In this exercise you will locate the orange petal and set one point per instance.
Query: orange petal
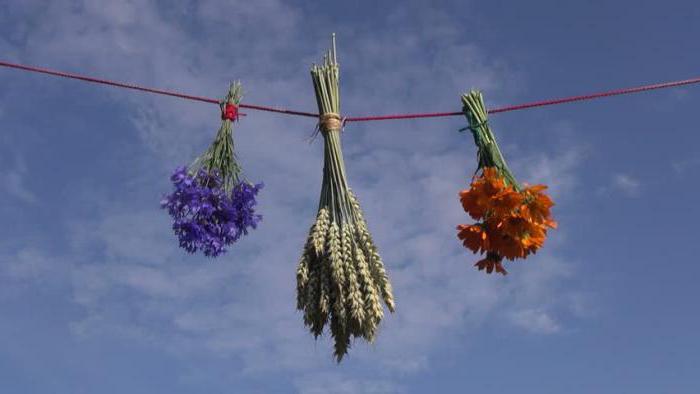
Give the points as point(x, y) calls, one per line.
point(490, 263)
point(473, 237)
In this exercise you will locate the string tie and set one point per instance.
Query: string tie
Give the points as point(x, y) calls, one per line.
point(474, 127)
point(329, 122)
point(229, 112)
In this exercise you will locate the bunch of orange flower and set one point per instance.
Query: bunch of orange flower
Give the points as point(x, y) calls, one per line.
point(513, 221)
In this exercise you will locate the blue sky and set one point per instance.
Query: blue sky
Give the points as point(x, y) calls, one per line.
point(96, 297)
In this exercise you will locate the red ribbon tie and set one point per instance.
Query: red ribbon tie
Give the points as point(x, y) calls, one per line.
point(230, 112)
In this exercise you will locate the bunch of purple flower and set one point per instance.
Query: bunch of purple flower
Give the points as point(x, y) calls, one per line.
point(206, 217)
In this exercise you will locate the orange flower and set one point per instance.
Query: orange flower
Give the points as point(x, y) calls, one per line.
point(514, 223)
point(509, 247)
point(490, 263)
point(493, 181)
point(514, 237)
point(479, 199)
point(550, 223)
point(506, 202)
point(474, 202)
point(473, 237)
point(530, 235)
point(532, 243)
point(537, 206)
point(513, 226)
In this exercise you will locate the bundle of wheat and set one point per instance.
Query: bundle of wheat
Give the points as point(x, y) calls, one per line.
point(340, 277)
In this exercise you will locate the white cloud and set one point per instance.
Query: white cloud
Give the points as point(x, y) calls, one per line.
point(681, 166)
point(320, 383)
point(14, 185)
point(620, 183)
point(13, 179)
point(28, 263)
point(535, 321)
point(556, 170)
point(626, 184)
point(30, 269)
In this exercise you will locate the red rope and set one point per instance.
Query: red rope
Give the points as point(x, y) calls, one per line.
point(145, 89)
point(402, 116)
point(616, 92)
point(105, 82)
point(542, 103)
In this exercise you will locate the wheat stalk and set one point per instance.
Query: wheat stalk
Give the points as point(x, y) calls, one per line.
point(340, 276)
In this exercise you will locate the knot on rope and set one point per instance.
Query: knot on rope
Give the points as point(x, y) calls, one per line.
point(229, 112)
point(329, 122)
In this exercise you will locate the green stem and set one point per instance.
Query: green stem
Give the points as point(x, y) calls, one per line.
point(221, 154)
point(489, 154)
point(334, 191)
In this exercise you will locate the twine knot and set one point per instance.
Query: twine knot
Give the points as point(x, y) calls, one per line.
point(329, 122)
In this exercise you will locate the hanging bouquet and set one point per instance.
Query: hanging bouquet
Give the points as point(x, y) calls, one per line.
point(340, 276)
point(213, 204)
point(513, 219)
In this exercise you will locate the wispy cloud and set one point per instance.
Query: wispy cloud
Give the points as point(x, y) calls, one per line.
point(627, 184)
point(25, 264)
point(535, 321)
point(14, 185)
point(320, 383)
point(681, 166)
point(621, 184)
point(13, 179)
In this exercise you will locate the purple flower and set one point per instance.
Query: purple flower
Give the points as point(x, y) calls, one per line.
point(204, 216)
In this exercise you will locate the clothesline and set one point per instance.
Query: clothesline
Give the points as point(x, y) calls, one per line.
point(556, 101)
